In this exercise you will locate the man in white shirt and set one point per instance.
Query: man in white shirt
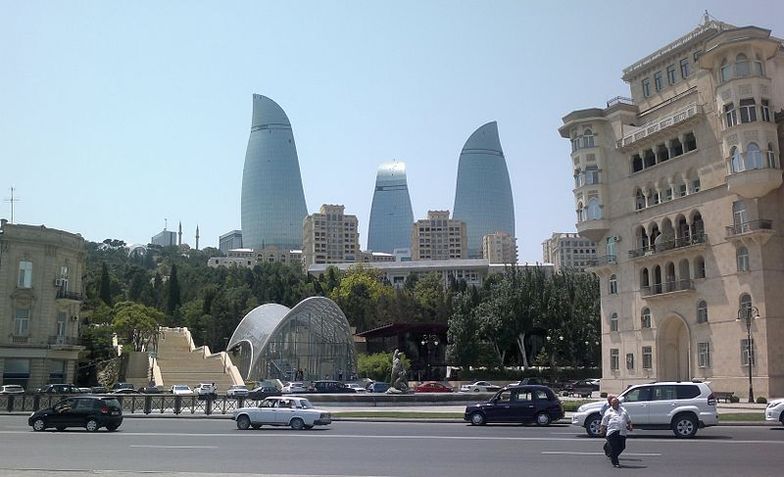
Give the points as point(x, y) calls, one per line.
point(604, 408)
point(615, 424)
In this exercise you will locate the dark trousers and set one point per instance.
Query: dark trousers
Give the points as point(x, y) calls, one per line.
point(616, 443)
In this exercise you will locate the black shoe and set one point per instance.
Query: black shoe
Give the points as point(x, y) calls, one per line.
point(617, 466)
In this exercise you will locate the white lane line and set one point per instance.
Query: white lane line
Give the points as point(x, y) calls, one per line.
point(4, 471)
point(638, 454)
point(151, 446)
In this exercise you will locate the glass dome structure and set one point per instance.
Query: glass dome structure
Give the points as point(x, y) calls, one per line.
point(273, 341)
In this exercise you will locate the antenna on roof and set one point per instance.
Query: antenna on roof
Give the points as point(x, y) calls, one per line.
point(12, 200)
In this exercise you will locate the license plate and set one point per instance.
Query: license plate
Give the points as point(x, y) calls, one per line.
point(115, 413)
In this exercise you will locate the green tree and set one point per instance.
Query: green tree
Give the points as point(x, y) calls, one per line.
point(378, 366)
point(358, 292)
point(136, 324)
point(105, 290)
point(173, 300)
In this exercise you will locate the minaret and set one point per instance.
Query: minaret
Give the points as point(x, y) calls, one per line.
point(179, 235)
point(197, 237)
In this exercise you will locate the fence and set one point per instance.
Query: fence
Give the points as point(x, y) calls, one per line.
point(131, 404)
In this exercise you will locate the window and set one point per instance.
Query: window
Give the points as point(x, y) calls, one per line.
point(593, 210)
point(765, 109)
point(591, 175)
point(758, 70)
point(742, 257)
point(745, 305)
point(771, 157)
point(746, 352)
point(725, 73)
point(699, 267)
point(703, 355)
point(646, 87)
point(61, 323)
point(647, 357)
point(702, 312)
point(665, 393)
point(730, 115)
point(588, 138)
point(645, 318)
point(614, 322)
point(629, 360)
point(25, 274)
point(741, 66)
point(610, 246)
point(685, 69)
point(643, 393)
point(578, 179)
point(657, 80)
point(753, 156)
point(613, 285)
point(695, 185)
point(614, 359)
point(739, 216)
point(671, 74)
point(736, 164)
point(21, 322)
point(748, 110)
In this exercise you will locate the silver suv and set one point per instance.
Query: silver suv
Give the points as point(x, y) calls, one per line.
point(683, 407)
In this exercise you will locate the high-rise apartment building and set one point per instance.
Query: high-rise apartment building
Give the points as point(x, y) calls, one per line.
point(568, 250)
point(330, 236)
point(681, 187)
point(230, 241)
point(273, 201)
point(438, 237)
point(41, 272)
point(499, 247)
point(483, 195)
point(391, 216)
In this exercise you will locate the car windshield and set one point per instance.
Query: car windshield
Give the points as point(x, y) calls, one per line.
point(180, 388)
point(306, 404)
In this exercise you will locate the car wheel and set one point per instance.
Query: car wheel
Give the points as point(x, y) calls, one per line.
point(478, 419)
point(92, 425)
point(308, 427)
point(297, 424)
point(256, 426)
point(781, 418)
point(39, 425)
point(543, 419)
point(112, 427)
point(593, 425)
point(684, 426)
point(243, 423)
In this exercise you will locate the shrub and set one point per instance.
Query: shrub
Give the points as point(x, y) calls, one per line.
point(734, 399)
point(761, 400)
point(378, 366)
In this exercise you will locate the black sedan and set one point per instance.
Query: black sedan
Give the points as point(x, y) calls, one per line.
point(582, 388)
point(90, 412)
point(520, 404)
point(263, 392)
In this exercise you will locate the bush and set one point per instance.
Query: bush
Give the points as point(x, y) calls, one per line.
point(378, 366)
point(761, 400)
point(734, 399)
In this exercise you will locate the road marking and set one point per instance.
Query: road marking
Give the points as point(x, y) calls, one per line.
point(638, 454)
point(150, 446)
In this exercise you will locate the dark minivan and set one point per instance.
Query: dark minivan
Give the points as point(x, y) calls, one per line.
point(328, 386)
point(520, 404)
point(90, 412)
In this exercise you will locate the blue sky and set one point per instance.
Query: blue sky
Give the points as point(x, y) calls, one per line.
point(117, 115)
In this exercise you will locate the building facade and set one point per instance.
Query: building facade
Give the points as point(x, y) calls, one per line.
point(499, 247)
point(230, 241)
point(41, 273)
point(438, 237)
point(568, 250)
point(166, 238)
point(483, 195)
point(249, 258)
point(273, 200)
point(680, 186)
point(330, 236)
point(391, 215)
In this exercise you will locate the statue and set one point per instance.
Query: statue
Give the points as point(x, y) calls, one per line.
point(399, 381)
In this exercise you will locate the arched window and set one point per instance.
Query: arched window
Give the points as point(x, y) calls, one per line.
point(593, 209)
point(613, 285)
point(741, 65)
point(645, 281)
point(639, 200)
point(745, 305)
point(699, 267)
point(645, 318)
point(742, 257)
point(636, 163)
point(591, 175)
point(758, 69)
point(588, 138)
point(689, 142)
point(702, 312)
point(614, 322)
point(735, 161)
point(649, 158)
point(748, 110)
point(753, 156)
point(730, 115)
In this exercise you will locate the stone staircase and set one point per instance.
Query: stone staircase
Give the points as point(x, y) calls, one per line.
point(181, 363)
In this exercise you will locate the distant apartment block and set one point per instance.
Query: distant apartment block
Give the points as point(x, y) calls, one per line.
point(166, 238)
point(438, 237)
point(330, 236)
point(249, 258)
point(568, 250)
point(230, 241)
point(499, 247)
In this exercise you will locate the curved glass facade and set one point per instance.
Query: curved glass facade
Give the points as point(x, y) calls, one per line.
point(273, 341)
point(273, 201)
point(483, 196)
point(391, 216)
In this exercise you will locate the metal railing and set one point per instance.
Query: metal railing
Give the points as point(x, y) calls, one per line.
point(64, 340)
point(750, 226)
point(661, 247)
point(604, 260)
point(667, 287)
point(659, 124)
point(620, 100)
point(68, 295)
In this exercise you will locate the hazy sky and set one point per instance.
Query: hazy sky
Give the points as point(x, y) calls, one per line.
point(117, 115)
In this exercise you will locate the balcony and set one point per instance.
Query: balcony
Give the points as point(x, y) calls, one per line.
point(594, 229)
point(20, 339)
point(755, 230)
point(668, 246)
point(63, 294)
point(667, 288)
point(654, 127)
point(64, 341)
point(753, 183)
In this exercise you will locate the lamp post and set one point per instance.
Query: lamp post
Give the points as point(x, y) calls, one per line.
point(428, 340)
point(749, 313)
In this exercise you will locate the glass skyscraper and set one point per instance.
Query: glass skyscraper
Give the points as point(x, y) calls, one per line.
point(391, 216)
point(273, 201)
point(483, 196)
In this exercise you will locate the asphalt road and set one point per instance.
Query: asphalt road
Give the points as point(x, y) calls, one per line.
point(181, 446)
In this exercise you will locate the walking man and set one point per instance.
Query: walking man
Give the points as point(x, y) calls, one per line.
point(615, 424)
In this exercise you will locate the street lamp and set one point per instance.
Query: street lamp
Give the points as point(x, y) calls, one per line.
point(429, 340)
point(749, 313)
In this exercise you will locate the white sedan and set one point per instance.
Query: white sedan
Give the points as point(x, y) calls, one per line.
point(295, 387)
point(775, 411)
point(479, 387)
point(181, 390)
point(296, 412)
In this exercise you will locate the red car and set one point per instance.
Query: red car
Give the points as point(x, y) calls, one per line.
point(433, 388)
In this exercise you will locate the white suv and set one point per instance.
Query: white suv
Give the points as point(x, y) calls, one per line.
point(775, 411)
point(681, 406)
point(206, 389)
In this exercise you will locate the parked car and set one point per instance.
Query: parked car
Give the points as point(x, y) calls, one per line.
point(294, 387)
point(98, 390)
point(263, 392)
point(358, 388)
point(596, 382)
point(90, 412)
point(523, 404)
point(582, 388)
point(328, 386)
point(11, 389)
point(296, 412)
point(181, 390)
point(123, 386)
point(237, 390)
point(479, 387)
point(529, 381)
point(433, 387)
point(205, 390)
point(125, 391)
point(151, 390)
point(775, 411)
point(59, 389)
point(683, 407)
point(377, 387)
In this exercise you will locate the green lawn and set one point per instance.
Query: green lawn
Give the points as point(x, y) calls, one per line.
point(741, 417)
